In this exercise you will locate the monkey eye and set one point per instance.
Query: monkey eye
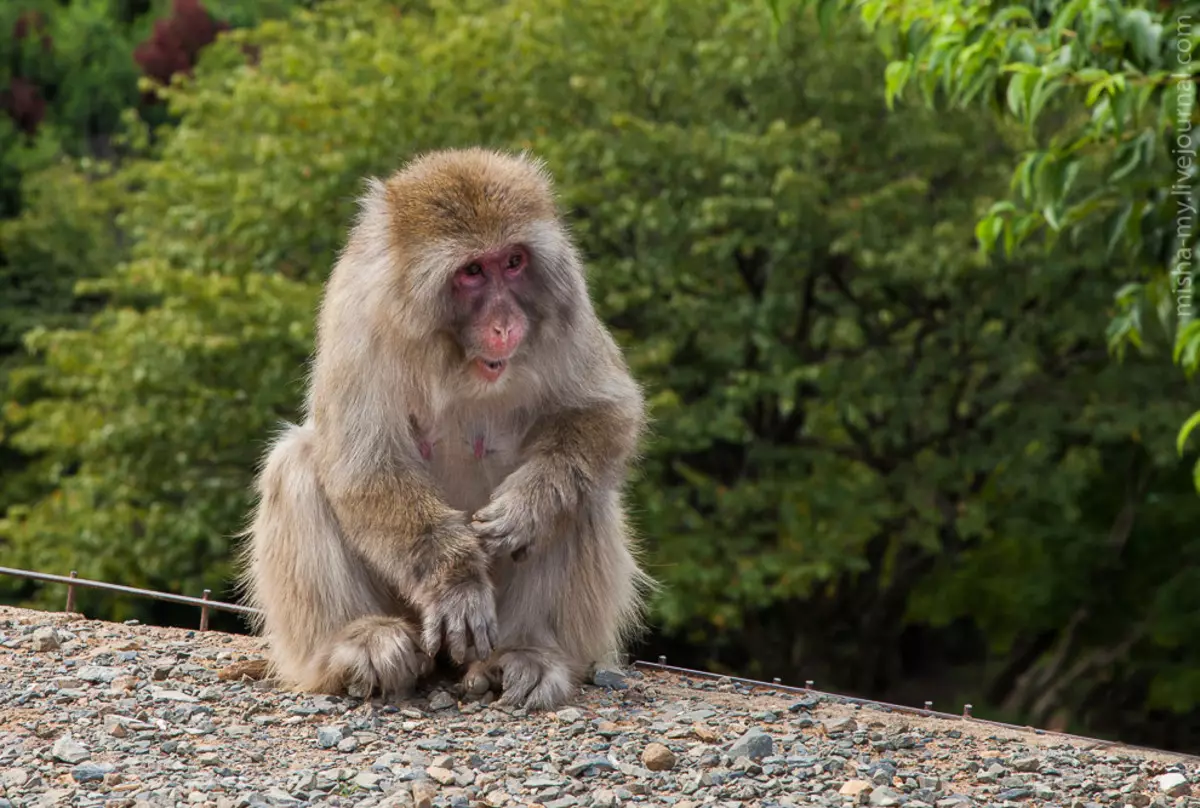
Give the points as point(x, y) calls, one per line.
point(515, 260)
point(473, 269)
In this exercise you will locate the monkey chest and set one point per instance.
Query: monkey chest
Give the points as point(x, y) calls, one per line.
point(468, 459)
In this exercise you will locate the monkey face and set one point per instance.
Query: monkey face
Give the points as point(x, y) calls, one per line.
point(487, 291)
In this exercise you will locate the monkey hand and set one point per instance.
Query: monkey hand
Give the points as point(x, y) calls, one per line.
point(460, 611)
point(506, 525)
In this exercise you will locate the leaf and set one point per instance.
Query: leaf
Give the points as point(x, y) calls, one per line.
point(896, 77)
point(1185, 431)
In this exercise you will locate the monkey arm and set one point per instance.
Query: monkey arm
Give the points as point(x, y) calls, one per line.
point(400, 526)
point(571, 455)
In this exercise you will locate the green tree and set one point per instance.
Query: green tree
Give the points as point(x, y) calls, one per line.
point(861, 423)
point(1106, 93)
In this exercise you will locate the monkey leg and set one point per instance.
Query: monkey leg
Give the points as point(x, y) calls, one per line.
point(571, 603)
point(330, 624)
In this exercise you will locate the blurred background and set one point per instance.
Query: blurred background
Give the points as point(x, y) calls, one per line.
point(909, 286)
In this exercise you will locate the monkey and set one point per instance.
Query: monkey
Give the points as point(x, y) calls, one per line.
point(455, 484)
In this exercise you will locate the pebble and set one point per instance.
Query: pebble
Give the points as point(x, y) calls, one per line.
point(658, 758)
point(755, 744)
point(68, 750)
point(45, 639)
point(136, 717)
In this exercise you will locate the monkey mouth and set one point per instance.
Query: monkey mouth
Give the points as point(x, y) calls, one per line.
point(491, 369)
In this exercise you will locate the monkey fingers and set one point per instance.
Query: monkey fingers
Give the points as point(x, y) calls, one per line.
point(505, 526)
point(465, 618)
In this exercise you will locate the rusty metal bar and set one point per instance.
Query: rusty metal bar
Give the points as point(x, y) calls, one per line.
point(901, 708)
point(71, 593)
point(204, 610)
point(74, 581)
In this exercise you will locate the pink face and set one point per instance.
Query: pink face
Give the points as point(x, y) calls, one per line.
point(487, 290)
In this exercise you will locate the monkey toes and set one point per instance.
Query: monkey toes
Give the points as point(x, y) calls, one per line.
point(378, 654)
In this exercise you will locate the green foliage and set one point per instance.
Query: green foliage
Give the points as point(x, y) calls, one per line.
point(1107, 94)
point(859, 420)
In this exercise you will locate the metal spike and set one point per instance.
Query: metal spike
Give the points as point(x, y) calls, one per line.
point(204, 611)
point(71, 594)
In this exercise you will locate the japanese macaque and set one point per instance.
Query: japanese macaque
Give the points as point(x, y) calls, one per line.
point(455, 485)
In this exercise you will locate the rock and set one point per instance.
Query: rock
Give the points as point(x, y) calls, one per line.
point(423, 793)
point(658, 758)
point(885, 797)
point(604, 798)
point(589, 765)
point(45, 639)
point(705, 733)
point(570, 715)
point(68, 750)
point(14, 778)
point(367, 780)
point(852, 788)
point(755, 744)
point(1026, 764)
point(1018, 793)
point(611, 679)
point(443, 776)
point(836, 726)
point(171, 695)
point(330, 736)
point(347, 745)
point(441, 700)
point(99, 674)
point(90, 772)
point(1173, 784)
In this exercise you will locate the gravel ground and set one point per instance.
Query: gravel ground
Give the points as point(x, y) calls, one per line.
point(95, 713)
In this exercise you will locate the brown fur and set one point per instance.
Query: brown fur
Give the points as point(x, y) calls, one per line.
point(388, 520)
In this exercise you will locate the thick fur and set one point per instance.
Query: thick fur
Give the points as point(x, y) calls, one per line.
point(388, 521)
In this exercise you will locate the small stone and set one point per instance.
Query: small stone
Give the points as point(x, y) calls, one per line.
point(161, 672)
point(422, 794)
point(116, 726)
point(443, 776)
point(98, 674)
point(68, 750)
point(658, 758)
point(441, 700)
point(14, 778)
point(45, 639)
point(367, 780)
point(1026, 764)
point(90, 772)
point(171, 695)
point(705, 733)
point(348, 744)
point(885, 798)
point(1173, 784)
point(852, 788)
point(570, 715)
point(836, 726)
point(755, 744)
point(329, 736)
point(611, 679)
point(604, 798)
point(1018, 793)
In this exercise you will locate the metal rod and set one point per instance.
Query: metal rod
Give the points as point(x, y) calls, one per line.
point(73, 581)
point(71, 593)
point(901, 708)
point(204, 611)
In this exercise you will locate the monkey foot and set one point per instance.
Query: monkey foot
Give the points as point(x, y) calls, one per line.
point(378, 653)
point(536, 680)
